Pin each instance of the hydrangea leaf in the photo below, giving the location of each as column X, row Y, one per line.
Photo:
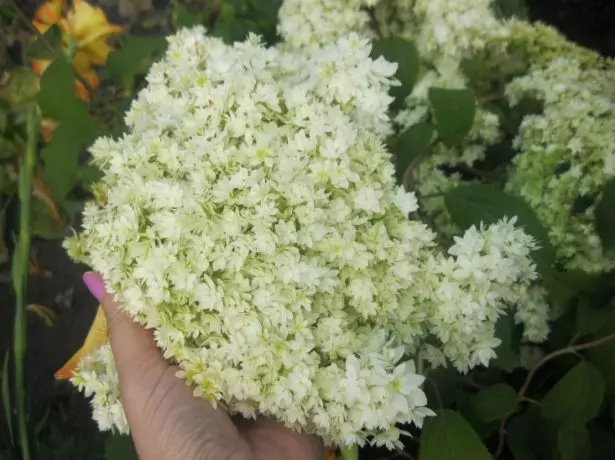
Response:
column 454, row 111
column 505, row 331
column 410, row 145
column 441, row 386
column 589, row 318
column 448, row 436
column 120, row 447
column 605, row 217
column 573, row 442
column 530, row 437
column 406, row 55
column 493, row 403
column 135, row 56
column 472, row 204
column 576, row 396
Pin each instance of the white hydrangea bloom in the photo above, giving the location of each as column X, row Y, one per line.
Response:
column 305, row 23
column 568, row 154
column 483, row 277
column 250, row 218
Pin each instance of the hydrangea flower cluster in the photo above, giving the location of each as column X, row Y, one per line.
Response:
column 304, row 23
column 254, row 224
column 565, row 153
column 568, row 154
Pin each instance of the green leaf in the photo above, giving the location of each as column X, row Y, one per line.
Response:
column 590, row 319
column 7, row 148
column 530, row 437
column 563, row 287
column 410, row 145
column 573, row 442
column 120, row 447
column 510, row 8
column 40, row 50
column 406, row 55
column 61, row 157
column 605, row 217
column 6, row 397
column 576, row 396
column 185, row 18
column 494, row 403
column 454, row 111
column 350, row 453
column 57, row 98
column 448, row 436
column 446, row 380
column 506, row 358
column 602, row 442
column 472, row 204
column 135, row 56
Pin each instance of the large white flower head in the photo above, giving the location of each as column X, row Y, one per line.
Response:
column 250, row 218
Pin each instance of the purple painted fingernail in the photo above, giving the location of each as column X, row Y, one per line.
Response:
column 94, row 284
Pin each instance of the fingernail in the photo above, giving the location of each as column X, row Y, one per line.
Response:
column 95, row 285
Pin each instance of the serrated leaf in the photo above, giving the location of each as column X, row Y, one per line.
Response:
column 410, row 145
column 573, row 442
column 472, row 204
column 135, row 56
column 406, row 55
column 493, row 403
column 605, row 217
column 576, row 396
column 120, row 447
column 448, row 436
column 48, row 49
column 454, row 111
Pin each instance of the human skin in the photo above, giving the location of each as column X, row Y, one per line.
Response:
column 167, row 422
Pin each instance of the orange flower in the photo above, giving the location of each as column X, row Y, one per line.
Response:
column 48, row 13
column 90, row 27
column 85, row 27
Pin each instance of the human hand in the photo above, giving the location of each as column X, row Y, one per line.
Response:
column 167, row 422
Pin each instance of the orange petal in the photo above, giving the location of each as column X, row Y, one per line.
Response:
column 97, row 336
column 50, row 12
column 92, row 78
column 39, row 65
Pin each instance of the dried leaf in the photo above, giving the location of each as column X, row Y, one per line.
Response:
column 97, row 336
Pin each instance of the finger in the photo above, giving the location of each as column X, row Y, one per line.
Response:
column 130, row 342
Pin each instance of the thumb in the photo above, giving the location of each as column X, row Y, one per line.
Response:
column 132, row 345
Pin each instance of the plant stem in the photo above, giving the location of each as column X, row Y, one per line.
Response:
column 20, row 276
column 528, row 380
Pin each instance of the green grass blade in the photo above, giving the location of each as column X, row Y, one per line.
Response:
column 20, row 277
column 6, row 398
